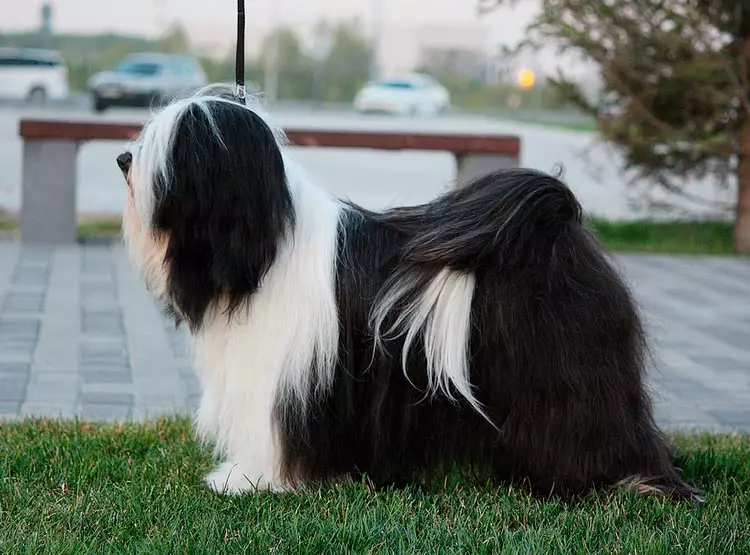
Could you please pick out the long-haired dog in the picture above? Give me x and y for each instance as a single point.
(484, 330)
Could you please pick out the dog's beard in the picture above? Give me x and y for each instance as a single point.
(147, 250)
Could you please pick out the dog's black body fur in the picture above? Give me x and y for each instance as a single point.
(556, 352)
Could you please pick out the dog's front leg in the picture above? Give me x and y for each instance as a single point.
(241, 426)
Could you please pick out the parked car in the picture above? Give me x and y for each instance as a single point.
(413, 94)
(145, 79)
(33, 74)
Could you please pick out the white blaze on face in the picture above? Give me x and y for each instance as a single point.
(146, 247)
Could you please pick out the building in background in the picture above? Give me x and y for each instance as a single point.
(406, 47)
(466, 49)
(471, 64)
(402, 48)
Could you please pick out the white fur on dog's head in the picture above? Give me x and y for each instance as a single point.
(208, 203)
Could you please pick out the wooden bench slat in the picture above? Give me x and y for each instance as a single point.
(456, 143)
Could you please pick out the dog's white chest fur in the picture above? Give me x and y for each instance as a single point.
(270, 349)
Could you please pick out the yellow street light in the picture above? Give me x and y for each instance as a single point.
(526, 79)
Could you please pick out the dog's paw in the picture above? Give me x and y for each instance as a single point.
(232, 479)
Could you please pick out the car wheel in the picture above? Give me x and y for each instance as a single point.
(37, 95)
(99, 104)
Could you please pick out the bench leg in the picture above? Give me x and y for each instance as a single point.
(472, 166)
(48, 210)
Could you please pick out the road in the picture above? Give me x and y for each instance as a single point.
(373, 179)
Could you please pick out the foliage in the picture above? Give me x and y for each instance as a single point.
(70, 487)
(346, 68)
(672, 89)
(295, 66)
(676, 84)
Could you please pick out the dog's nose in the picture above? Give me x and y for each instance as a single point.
(124, 160)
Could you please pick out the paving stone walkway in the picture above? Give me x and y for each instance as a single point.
(81, 336)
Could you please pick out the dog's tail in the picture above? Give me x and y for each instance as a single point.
(503, 214)
(507, 215)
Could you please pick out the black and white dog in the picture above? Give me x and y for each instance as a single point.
(484, 330)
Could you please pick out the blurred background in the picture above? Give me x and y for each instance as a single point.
(596, 89)
(323, 51)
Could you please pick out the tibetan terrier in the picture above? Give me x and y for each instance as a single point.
(484, 330)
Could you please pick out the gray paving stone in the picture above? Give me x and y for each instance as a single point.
(79, 325)
(103, 323)
(31, 275)
(106, 398)
(107, 377)
(690, 390)
(192, 384)
(19, 326)
(20, 301)
(721, 363)
(9, 408)
(64, 394)
(14, 367)
(145, 413)
(106, 412)
(103, 352)
(17, 348)
(106, 367)
(48, 410)
(29, 257)
(65, 372)
(676, 415)
(165, 399)
(194, 400)
(739, 338)
(732, 416)
(13, 387)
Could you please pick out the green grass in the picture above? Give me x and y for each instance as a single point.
(69, 487)
(97, 227)
(698, 237)
(573, 124)
(7, 226)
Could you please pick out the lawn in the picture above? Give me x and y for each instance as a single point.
(69, 487)
(704, 237)
(697, 237)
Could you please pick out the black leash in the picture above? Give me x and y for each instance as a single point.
(240, 62)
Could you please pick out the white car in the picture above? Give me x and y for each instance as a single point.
(413, 94)
(32, 74)
(145, 79)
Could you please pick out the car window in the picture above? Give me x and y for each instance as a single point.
(138, 68)
(397, 84)
(24, 61)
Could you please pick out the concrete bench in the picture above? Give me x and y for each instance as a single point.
(50, 148)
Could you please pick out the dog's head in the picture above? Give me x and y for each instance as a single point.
(208, 204)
